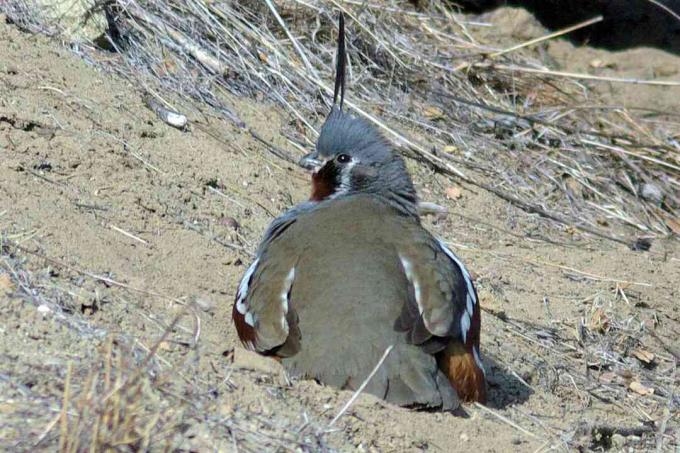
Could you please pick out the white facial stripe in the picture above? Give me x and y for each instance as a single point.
(345, 179)
(410, 276)
(478, 359)
(250, 319)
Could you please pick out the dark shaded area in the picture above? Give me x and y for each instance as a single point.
(626, 24)
(503, 389)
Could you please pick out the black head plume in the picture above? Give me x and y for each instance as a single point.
(341, 64)
(352, 156)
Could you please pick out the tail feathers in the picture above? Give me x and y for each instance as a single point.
(461, 367)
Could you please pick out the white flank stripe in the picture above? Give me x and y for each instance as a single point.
(471, 299)
(465, 325)
(242, 294)
(408, 270)
(285, 303)
(286, 289)
(245, 281)
(463, 270)
(478, 359)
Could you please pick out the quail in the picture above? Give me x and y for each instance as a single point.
(343, 276)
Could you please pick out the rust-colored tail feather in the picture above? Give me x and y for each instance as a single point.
(458, 363)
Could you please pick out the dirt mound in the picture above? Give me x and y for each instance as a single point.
(626, 23)
(561, 54)
(123, 240)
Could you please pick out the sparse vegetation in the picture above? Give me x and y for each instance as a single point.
(123, 239)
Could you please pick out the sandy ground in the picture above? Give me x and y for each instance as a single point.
(115, 224)
(516, 25)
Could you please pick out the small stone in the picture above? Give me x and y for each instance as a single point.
(230, 222)
(6, 284)
(453, 193)
(596, 63)
(433, 113)
(640, 388)
(464, 437)
(618, 441)
(205, 304)
(651, 192)
(643, 355)
(7, 408)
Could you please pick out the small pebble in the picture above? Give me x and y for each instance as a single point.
(618, 441)
(205, 304)
(230, 222)
(651, 192)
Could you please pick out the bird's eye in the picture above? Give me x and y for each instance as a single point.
(343, 158)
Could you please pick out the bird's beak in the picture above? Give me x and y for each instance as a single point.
(311, 161)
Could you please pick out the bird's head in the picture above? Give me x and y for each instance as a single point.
(352, 156)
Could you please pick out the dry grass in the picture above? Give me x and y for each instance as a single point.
(609, 358)
(115, 405)
(555, 150)
(120, 395)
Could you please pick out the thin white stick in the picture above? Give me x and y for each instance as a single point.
(574, 75)
(368, 30)
(362, 386)
(639, 156)
(48, 428)
(506, 420)
(297, 46)
(188, 44)
(130, 235)
(429, 208)
(222, 194)
(665, 8)
(564, 31)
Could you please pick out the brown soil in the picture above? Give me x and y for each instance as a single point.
(642, 63)
(114, 224)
